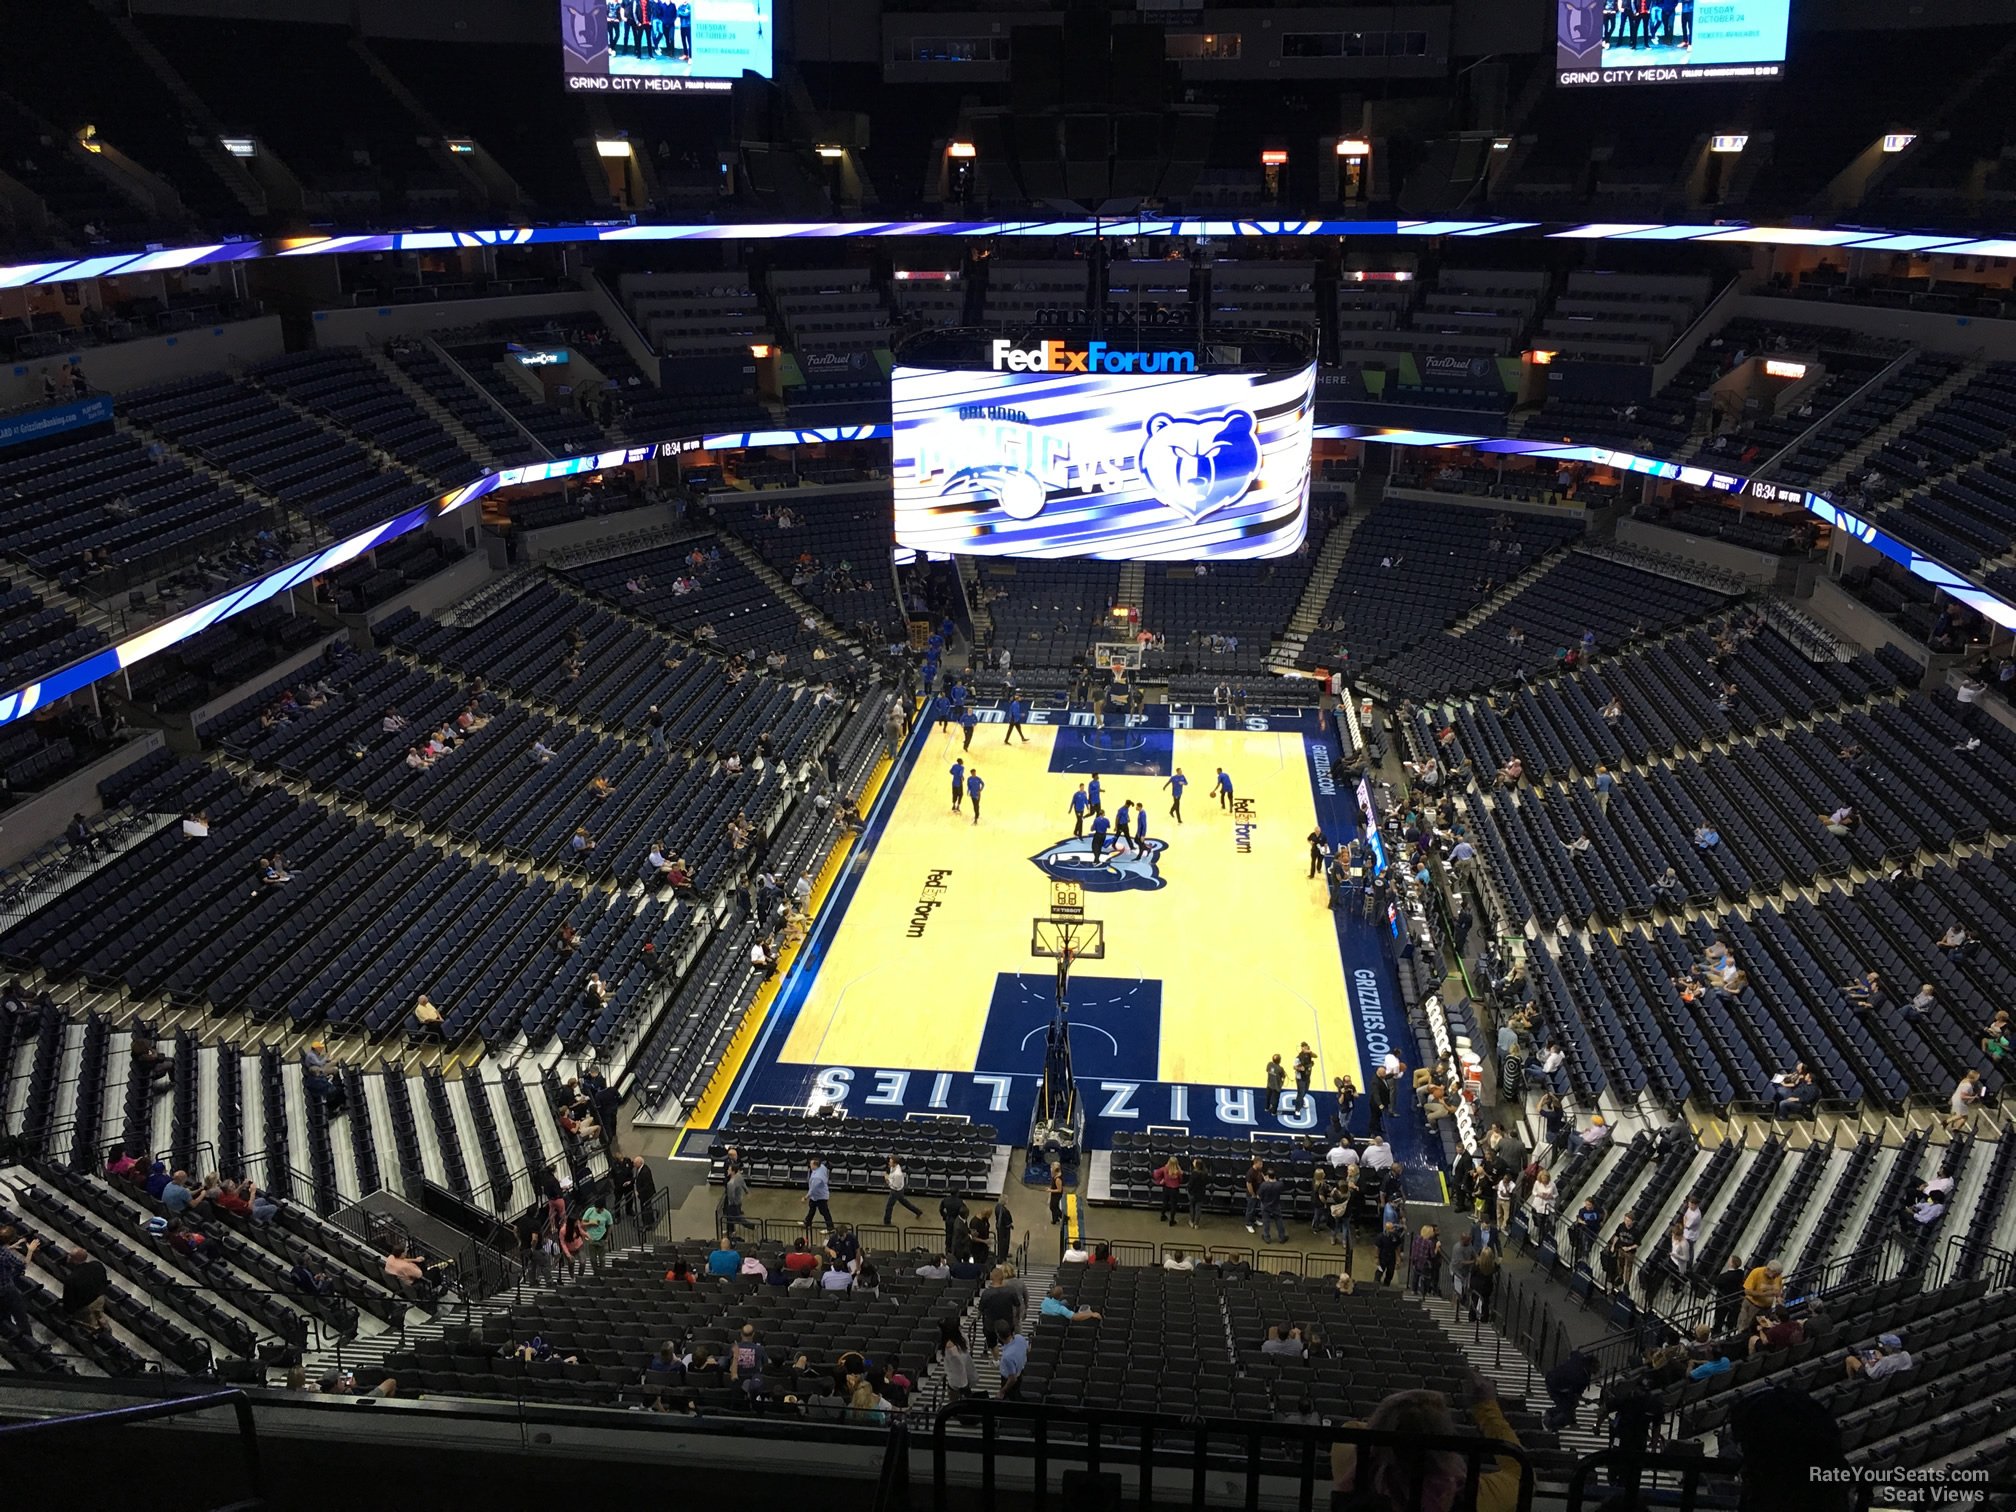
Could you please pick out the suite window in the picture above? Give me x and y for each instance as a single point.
(1207, 46)
(952, 50)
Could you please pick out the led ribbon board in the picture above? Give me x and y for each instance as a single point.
(24, 700)
(63, 268)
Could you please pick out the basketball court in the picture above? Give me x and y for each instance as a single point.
(929, 980)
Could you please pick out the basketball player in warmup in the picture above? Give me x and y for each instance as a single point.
(1092, 792)
(1101, 827)
(1017, 712)
(1176, 784)
(1080, 802)
(958, 783)
(1123, 827)
(974, 788)
(1224, 791)
(1141, 828)
(967, 720)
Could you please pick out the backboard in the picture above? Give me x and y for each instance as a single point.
(1084, 938)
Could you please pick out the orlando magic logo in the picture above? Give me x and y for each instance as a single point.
(1135, 870)
(1020, 495)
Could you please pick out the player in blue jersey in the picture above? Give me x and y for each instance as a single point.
(958, 784)
(1223, 788)
(1101, 827)
(1176, 784)
(1123, 827)
(1017, 712)
(1079, 804)
(974, 788)
(1092, 792)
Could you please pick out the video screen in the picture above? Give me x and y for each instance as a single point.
(664, 46)
(1668, 41)
(1074, 450)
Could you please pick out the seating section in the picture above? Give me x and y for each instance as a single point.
(346, 389)
(832, 545)
(727, 607)
(1021, 293)
(507, 444)
(481, 356)
(114, 511)
(938, 1156)
(222, 657)
(1552, 611)
(1263, 294)
(601, 1332)
(308, 467)
(1412, 568)
(1958, 1391)
(1049, 614)
(713, 314)
(1221, 622)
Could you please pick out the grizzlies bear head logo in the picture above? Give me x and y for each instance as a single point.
(1019, 495)
(1200, 464)
(1134, 871)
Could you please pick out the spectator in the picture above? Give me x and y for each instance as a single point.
(176, 1196)
(1054, 1306)
(404, 1273)
(596, 1222)
(724, 1260)
(818, 1193)
(1566, 1383)
(1887, 1359)
(955, 1358)
(1399, 1477)
(427, 1019)
(1960, 1106)
(1763, 1289)
(897, 1180)
(1012, 1351)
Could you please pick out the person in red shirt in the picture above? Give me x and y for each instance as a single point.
(800, 1261)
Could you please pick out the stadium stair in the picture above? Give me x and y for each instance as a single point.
(431, 407)
(1851, 460)
(1315, 593)
(786, 594)
(986, 1368)
(976, 609)
(1499, 1361)
(1133, 586)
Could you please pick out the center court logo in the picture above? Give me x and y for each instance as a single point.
(929, 901)
(1139, 870)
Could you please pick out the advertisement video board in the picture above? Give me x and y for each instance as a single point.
(665, 46)
(1077, 449)
(1668, 41)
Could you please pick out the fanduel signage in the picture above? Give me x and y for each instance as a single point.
(1093, 357)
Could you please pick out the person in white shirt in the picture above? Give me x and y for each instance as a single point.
(1175, 1261)
(898, 1181)
(801, 891)
(1597, 1134)
(1543, 1198)
(1508, 1198)
(1690, 1223)
(1551, 1064)
(1342, 1157)
(1378, 1155)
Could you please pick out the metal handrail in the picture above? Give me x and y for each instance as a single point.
(1259, 1448)
(147, 1412)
